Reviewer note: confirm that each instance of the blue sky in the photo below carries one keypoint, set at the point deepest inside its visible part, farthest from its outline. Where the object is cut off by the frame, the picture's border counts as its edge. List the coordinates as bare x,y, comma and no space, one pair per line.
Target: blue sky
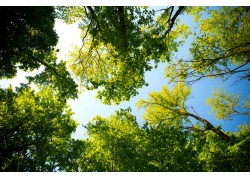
87,106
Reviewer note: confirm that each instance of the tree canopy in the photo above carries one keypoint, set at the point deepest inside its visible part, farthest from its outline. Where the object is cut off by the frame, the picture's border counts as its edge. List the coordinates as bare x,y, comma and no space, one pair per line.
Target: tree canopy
119,45
27,34
27,42
32,128
221,47
118,143
116,61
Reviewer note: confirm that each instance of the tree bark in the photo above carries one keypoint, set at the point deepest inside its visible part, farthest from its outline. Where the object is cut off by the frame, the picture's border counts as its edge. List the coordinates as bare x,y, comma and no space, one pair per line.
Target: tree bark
210,127
172,20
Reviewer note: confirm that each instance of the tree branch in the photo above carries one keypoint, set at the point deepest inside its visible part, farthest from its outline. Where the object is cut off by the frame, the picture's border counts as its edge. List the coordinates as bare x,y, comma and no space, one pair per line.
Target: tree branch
223,73
46,65
85,37
91,11
171,24
171,12
162,15
85,11
210,127
194,129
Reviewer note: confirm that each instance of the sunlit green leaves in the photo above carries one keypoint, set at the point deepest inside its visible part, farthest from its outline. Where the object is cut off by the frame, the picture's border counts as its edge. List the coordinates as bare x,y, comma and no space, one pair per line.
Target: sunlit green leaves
225,105
220,46
114,142
119,44
167,106
31,126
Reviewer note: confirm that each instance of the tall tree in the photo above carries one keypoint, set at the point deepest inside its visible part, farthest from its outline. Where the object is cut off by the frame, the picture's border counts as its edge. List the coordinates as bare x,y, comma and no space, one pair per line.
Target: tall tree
168,107
113,143
27,42
119,45
220,48
27,34
32,128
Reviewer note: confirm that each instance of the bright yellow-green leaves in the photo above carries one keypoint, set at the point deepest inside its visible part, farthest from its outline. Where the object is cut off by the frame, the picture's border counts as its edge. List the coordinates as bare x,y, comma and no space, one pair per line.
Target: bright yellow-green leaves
119,44
224,34
85,64
167,106
113,141
219,49
225,105
196,11
118,143
176,71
